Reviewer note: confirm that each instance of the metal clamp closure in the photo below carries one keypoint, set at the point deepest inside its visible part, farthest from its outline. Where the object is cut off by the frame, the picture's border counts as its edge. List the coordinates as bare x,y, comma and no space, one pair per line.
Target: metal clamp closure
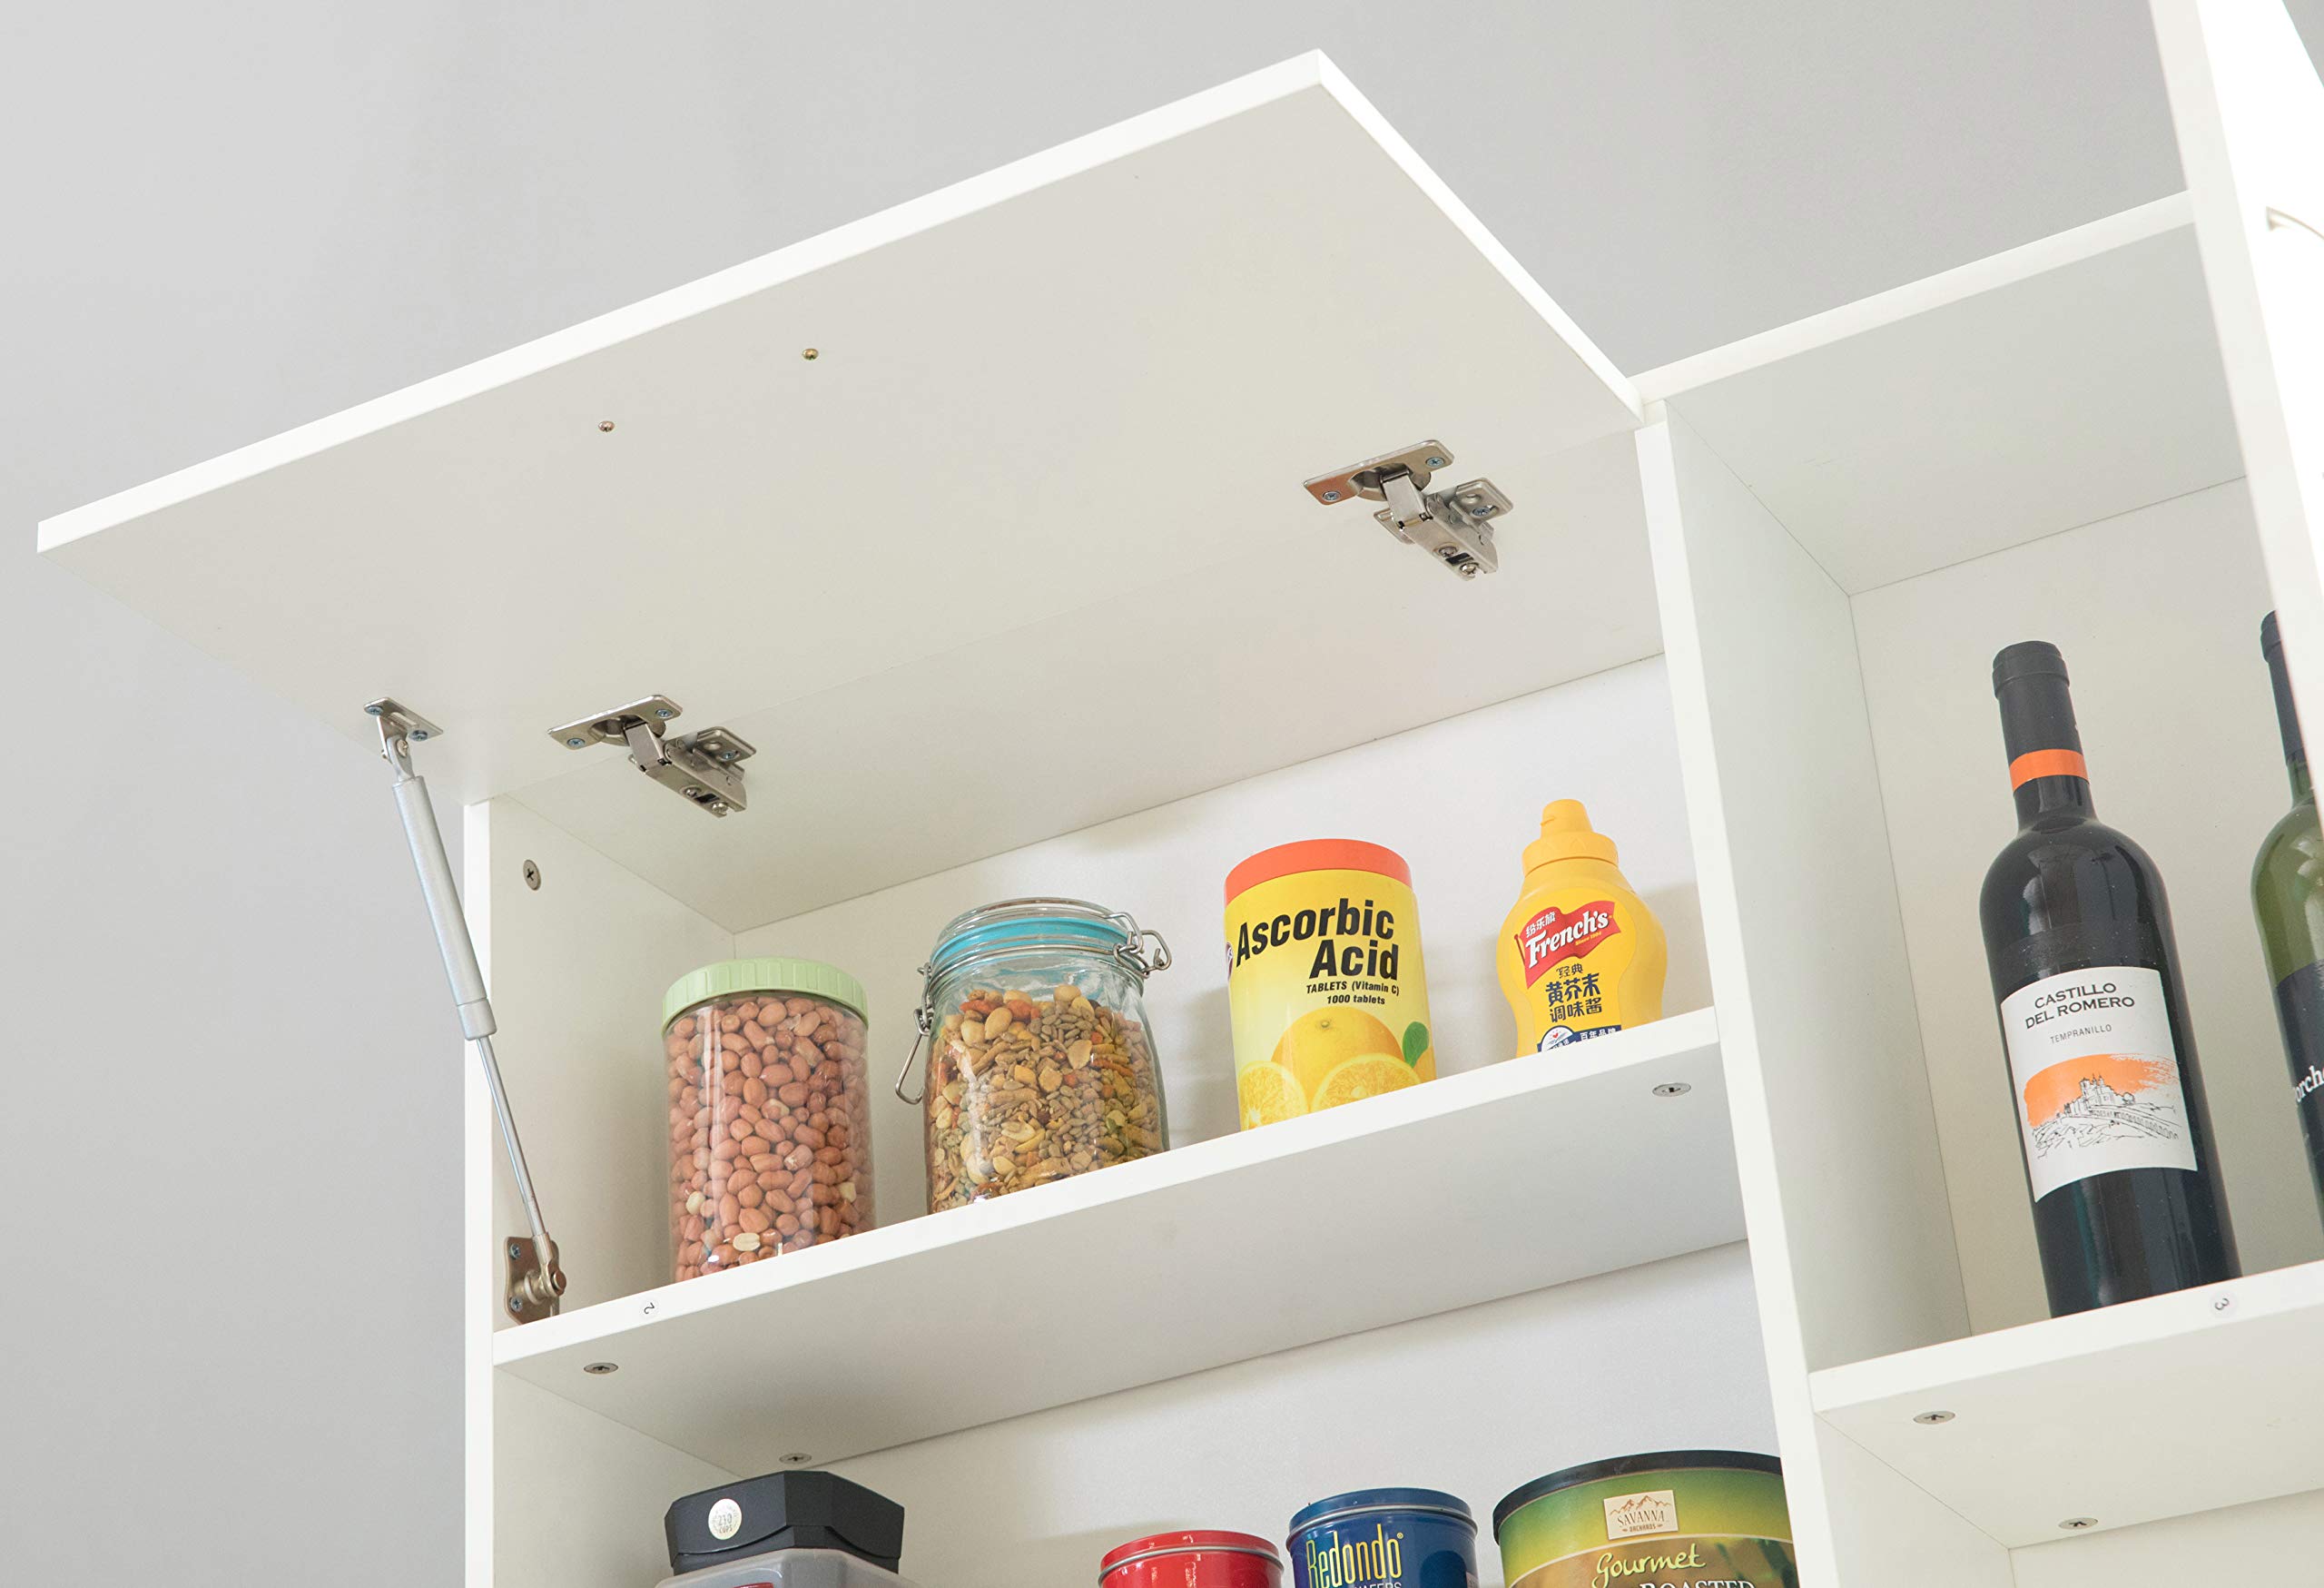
704,768
1130,954
924,1017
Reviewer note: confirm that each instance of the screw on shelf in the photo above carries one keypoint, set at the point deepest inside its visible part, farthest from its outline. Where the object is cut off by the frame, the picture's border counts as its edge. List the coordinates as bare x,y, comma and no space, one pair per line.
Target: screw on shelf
1673,1089
1932,1418
797,1458
2077,1523
605,424
810,354
532,876
600,1369
2221,1303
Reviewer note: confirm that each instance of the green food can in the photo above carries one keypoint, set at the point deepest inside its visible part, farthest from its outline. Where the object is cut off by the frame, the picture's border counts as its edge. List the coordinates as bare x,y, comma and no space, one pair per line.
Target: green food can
1668,1519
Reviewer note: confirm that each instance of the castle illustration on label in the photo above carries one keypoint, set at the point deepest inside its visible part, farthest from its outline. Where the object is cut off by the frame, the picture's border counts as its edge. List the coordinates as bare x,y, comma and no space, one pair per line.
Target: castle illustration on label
2095,1111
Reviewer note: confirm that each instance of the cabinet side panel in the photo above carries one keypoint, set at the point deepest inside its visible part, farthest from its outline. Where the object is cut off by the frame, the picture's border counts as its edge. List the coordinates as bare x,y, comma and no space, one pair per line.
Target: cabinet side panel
579,1499
2270,1543
481,1281
1823,1220
577,968
1831,1048
2249,114
1887,1531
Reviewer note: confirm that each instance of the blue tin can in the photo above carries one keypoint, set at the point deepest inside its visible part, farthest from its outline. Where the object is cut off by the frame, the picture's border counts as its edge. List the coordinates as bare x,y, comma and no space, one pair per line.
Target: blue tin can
1385,1538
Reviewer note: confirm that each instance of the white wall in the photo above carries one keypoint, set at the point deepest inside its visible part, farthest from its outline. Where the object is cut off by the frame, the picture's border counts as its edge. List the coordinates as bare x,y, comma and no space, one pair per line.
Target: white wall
228,1181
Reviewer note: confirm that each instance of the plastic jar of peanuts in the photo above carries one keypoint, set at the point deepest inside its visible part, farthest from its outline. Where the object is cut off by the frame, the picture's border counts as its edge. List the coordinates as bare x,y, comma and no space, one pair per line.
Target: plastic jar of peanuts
770,1114
1041,1064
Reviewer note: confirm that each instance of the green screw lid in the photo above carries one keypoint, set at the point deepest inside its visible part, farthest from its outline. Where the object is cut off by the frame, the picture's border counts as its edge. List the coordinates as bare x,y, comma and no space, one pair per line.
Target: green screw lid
769,974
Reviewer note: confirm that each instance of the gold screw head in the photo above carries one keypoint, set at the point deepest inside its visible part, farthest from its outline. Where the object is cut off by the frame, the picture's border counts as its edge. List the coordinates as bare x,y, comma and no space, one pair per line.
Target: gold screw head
810,354
605,424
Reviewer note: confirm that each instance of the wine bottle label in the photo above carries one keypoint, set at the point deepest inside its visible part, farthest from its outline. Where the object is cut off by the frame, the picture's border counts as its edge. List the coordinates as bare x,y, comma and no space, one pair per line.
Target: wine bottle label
2299,1002
2097,1074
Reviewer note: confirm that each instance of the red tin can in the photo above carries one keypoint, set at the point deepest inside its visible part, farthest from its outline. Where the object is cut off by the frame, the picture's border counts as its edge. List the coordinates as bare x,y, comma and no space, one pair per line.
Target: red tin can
1192,1560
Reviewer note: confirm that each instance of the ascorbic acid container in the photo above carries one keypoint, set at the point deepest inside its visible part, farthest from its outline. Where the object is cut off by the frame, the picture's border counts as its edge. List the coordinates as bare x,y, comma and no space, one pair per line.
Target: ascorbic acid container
1325,983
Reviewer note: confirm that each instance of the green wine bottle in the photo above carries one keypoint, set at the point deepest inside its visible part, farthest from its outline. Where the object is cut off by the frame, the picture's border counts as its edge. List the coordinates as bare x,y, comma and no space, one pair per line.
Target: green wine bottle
2288,896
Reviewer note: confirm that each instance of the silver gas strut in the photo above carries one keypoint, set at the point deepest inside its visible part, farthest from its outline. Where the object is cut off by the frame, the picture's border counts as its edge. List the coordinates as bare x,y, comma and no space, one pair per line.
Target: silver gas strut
536,1279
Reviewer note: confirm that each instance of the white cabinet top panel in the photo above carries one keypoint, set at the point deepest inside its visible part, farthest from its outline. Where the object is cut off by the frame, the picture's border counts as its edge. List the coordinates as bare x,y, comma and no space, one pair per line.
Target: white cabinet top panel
2057,384
1050,411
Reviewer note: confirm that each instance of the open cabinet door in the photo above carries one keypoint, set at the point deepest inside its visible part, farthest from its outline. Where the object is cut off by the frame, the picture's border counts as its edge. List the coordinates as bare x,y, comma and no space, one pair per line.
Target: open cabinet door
2250,119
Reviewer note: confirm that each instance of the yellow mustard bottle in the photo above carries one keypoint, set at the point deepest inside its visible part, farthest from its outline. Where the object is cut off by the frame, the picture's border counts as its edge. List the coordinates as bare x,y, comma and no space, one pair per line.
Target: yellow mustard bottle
1580,955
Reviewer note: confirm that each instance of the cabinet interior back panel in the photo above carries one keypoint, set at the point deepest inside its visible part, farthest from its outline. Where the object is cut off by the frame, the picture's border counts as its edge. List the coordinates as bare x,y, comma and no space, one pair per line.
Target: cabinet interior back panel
2158,614
1459,800
1664,1356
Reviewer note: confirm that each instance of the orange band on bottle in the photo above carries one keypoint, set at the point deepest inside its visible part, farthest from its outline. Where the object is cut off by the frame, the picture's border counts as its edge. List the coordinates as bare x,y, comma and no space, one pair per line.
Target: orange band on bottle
2037,763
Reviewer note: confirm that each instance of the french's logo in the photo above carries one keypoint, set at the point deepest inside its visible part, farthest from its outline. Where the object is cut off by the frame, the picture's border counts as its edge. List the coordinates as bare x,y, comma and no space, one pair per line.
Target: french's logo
1556,935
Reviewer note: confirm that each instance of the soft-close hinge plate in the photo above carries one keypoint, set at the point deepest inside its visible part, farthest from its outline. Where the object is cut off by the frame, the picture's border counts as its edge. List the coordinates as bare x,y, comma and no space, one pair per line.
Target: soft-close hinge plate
704,768
1455,527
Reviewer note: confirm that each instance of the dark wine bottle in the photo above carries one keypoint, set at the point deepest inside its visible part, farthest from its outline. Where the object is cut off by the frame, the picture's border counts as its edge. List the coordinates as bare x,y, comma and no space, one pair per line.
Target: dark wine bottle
2118,1148
2288,896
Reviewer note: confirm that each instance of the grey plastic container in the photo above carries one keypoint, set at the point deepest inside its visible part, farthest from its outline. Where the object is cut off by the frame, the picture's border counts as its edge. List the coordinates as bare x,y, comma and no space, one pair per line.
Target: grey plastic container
790,1568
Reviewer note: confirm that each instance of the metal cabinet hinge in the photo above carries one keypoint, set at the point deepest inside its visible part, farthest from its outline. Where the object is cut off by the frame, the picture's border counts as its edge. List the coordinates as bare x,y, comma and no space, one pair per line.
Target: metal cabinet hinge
704,768
1455,527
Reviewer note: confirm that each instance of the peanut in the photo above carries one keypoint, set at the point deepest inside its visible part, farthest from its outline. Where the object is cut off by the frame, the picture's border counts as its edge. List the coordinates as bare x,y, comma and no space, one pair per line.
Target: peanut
768,1103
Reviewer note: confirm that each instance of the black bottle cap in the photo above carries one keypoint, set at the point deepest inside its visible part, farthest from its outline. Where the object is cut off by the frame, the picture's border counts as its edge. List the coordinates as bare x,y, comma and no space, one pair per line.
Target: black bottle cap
2028,658
2036,706
2271,646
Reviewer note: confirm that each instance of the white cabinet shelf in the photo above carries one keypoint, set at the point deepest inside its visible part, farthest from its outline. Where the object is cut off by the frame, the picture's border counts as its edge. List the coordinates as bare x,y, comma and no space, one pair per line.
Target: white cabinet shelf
1492,1183
2130,1414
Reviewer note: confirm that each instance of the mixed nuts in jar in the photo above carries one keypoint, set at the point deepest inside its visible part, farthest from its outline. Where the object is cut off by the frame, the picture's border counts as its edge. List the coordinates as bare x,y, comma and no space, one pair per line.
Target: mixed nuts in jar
770,1113
1039,1063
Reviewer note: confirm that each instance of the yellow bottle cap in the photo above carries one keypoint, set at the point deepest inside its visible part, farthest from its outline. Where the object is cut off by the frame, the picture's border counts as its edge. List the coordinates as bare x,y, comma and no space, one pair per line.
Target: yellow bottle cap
1566,834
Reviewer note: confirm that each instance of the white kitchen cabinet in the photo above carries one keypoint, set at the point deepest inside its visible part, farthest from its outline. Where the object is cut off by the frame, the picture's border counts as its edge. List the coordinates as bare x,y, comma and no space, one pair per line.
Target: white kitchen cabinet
982,519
